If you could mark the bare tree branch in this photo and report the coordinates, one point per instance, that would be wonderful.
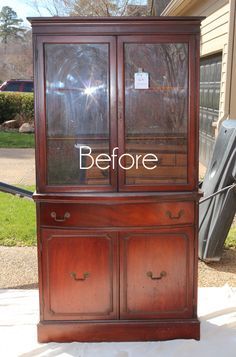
(89, 7)
(106, 7)
(124, 7)
(53, 7)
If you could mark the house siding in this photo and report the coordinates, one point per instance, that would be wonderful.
(214, 35)
(214, 38)
(218, 33)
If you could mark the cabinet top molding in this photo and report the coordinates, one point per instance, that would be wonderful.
(115, 25)
(112, 19)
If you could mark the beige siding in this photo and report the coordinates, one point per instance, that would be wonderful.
(213, 23)
(214, 31)
(218, 34)
(223, 81)
(214, 36)
(232, 64)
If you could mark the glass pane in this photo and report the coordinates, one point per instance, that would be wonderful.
(77, 113)
(156, 92)
(13, 87)
(28, 87)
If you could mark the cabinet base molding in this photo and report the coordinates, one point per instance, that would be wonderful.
(158, 330)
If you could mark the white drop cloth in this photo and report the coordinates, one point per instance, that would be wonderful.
(217, 311)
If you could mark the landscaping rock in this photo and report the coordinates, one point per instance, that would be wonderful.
(10, 124)
(26, 128)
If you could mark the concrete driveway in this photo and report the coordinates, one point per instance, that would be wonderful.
(17, 166)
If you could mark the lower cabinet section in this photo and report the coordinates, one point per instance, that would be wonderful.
(131, 275)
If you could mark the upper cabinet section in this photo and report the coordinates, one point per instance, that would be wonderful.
(116, 104)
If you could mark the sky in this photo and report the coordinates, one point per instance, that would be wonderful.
(22, 9)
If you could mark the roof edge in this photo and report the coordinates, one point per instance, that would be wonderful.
(175, 7)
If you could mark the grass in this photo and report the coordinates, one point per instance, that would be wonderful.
(17, 220)
(16, 140)
(231, 239)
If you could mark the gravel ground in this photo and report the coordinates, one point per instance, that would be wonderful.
(18, 267)
(219, 273)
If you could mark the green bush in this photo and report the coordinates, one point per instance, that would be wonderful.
(13, 103)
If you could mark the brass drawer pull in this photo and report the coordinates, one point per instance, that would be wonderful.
(162, 275)
(85, 276)
(179, 215)
(54, 216)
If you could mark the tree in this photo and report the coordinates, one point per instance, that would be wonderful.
(10, 25)
(93, 7)
(16, 58)
(106, 8)
(53, 7)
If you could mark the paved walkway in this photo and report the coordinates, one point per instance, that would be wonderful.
(17, 166)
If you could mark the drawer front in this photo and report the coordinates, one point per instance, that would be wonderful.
(119, 215)
(157, 274)
(79, 275)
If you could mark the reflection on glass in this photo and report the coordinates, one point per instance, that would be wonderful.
(77, 112)
(156, 117)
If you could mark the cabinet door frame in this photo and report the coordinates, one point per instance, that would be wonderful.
(40, 110)
(47, 313)
(187, 311)
(193, 94)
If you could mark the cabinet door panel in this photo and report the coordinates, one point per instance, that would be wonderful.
(79, 116)
(156, 274)
(155, 79)
(79, 275)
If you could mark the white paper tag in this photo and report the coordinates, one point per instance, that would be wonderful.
(141, 80)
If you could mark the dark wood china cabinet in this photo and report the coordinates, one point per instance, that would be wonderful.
(116, 117)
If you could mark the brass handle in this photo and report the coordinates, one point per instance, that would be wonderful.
(180, 214)
(54, 215)
(85, 276)
(162, 274)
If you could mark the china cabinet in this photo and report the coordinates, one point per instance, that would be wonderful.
(116, 118)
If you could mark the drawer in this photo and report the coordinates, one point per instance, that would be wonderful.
(116, 215)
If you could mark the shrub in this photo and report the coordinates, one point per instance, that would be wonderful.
(13, 103)
(27, 109)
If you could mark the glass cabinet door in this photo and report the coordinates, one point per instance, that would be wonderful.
(154, 93)
(78, 116)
